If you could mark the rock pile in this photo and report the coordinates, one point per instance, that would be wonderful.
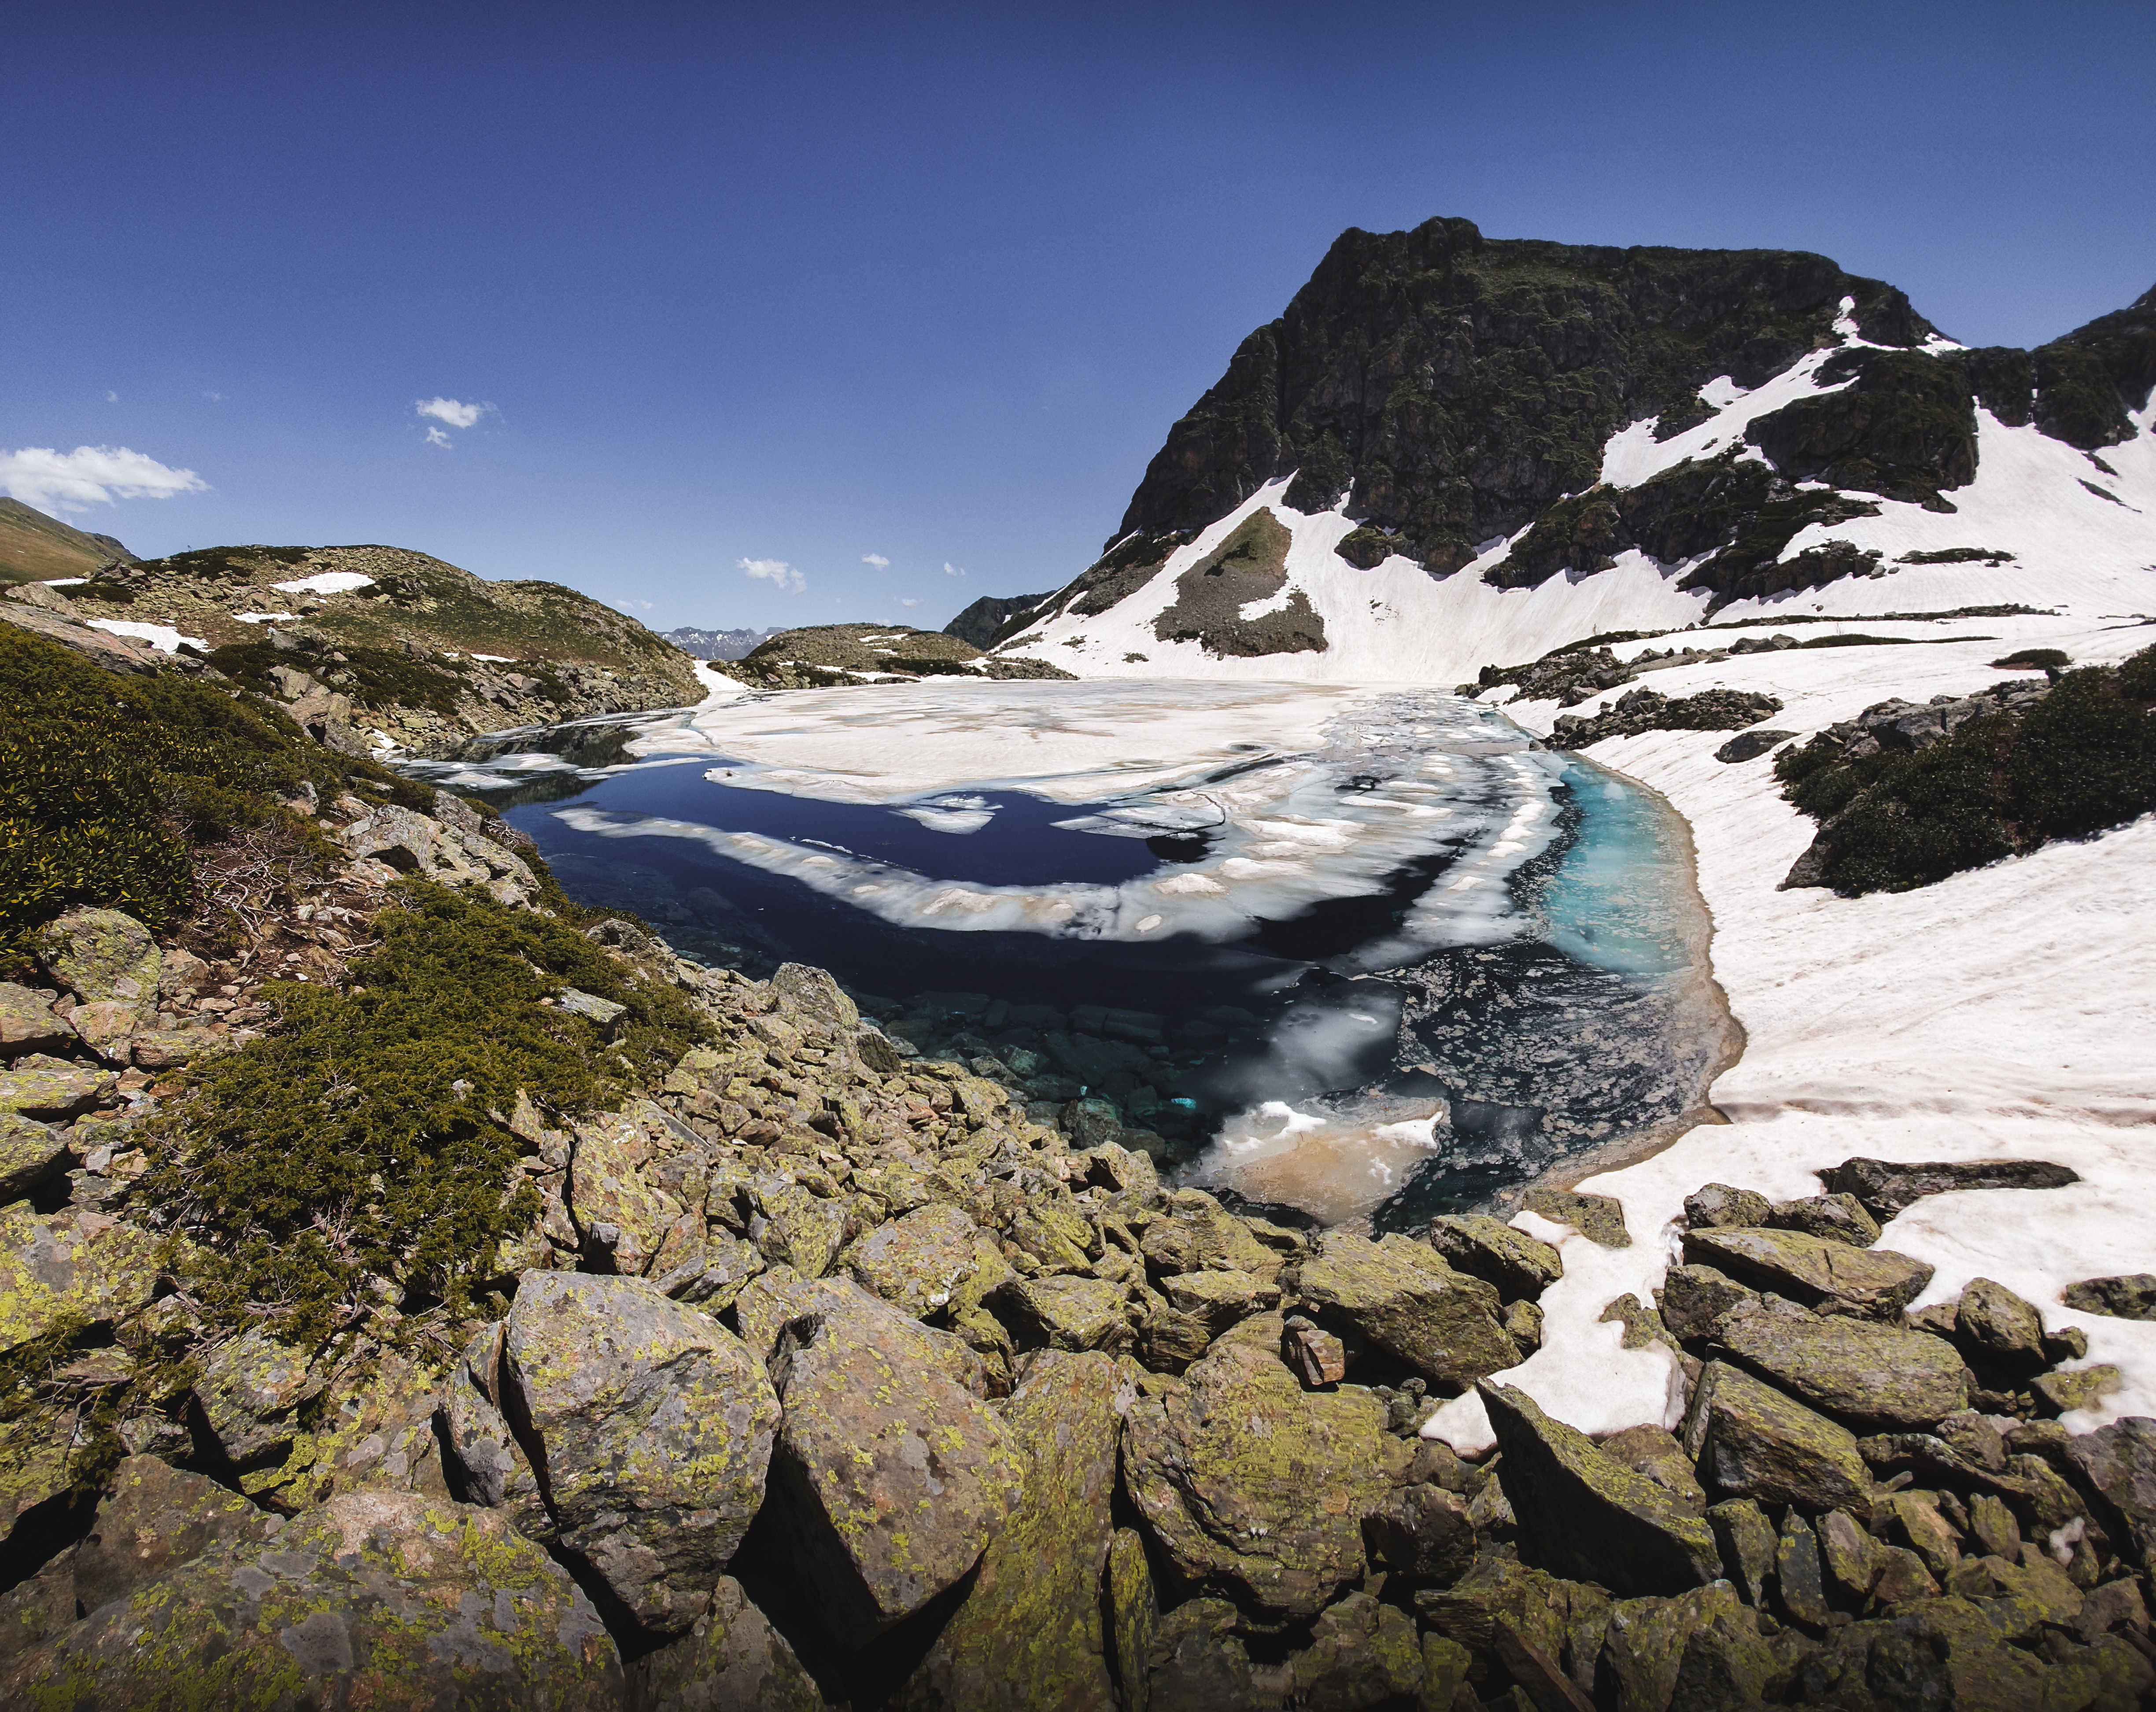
(832, 1376)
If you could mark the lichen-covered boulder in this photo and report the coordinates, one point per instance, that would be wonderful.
(2002, 1332)
(1693, 1298)
(488, 1464)
(250, 1394)
(31, 1154)
(1194, 1232)
(102, 955)
(1219, 1299)
(1815, 1271)
(1871, 1374)
(812, 993)
(731, 1660)
(1518, 1265)
(70, 1266)
(651, 1428)
(1715, 1205)
(1253, 1487)
(1586, 1515)
(794, 1227)
(1750, 1440)
(623, 1217)
(1028, 1636)
(892, 1475)
(1650, 1642)
(381, 1600)
(918, 1261)
(27, 1023)
(1840, 1218)
(152, 1516)
(1401, 1298)
(40, 1087)
(2117, 1463)
(1363, 1656)
(1068, 1312)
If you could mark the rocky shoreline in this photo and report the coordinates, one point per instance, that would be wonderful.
(828, 1376)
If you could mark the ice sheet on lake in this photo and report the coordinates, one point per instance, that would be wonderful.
(1383, 780)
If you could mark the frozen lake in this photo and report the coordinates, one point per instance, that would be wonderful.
(1355, 951)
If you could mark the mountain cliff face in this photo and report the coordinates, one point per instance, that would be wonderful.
(1743, 425)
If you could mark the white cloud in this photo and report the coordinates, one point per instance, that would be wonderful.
(909, 604)
(951, 570)
(214, 397)
(89, 475)
(775, 570)
(435, 437)
(451, 413)
(877, 559)
(111, 398)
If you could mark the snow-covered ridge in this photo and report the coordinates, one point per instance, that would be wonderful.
(2081, 532)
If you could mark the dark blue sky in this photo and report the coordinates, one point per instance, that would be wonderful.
(805, 283)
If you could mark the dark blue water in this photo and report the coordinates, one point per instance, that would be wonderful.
(1569, 1033)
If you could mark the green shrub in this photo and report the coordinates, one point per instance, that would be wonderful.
(2080, 762)
(2049, 658)
(107, 783)
(360, 1143)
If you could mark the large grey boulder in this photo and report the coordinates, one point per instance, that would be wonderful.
(1517, 1264)
(2117, 1463)
(154, 1516)
(1873, 1374)
(103, 955)
(27, 1023)
(1254, 1489)
(250, 1396)
(31, 1154)
(918, 1262)
(1750, 1440)
(731, 1660)
(1586, 1516)
(1889, 1186)
(1400, 1298)
(1028, 1634)
(384, 1599)
(890, 1475)
(650, 1428)
(1816, 1271)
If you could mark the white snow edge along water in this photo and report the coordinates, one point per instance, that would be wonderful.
(2002, 1014)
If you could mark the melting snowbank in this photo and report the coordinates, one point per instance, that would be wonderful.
(2003, 1012)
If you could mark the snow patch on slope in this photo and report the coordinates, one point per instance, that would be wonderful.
(1998, 1014)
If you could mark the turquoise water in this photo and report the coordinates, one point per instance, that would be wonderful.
(1621, 898)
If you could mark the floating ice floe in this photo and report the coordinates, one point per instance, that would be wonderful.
(1384, 780)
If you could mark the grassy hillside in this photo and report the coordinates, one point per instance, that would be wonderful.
(34, 548)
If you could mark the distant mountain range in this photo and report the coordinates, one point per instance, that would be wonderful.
(1451, 449)
(719, 644)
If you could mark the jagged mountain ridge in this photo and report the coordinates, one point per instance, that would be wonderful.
(1474, 418)
(719, 644)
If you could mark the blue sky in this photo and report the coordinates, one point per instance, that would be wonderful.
(796, 285)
